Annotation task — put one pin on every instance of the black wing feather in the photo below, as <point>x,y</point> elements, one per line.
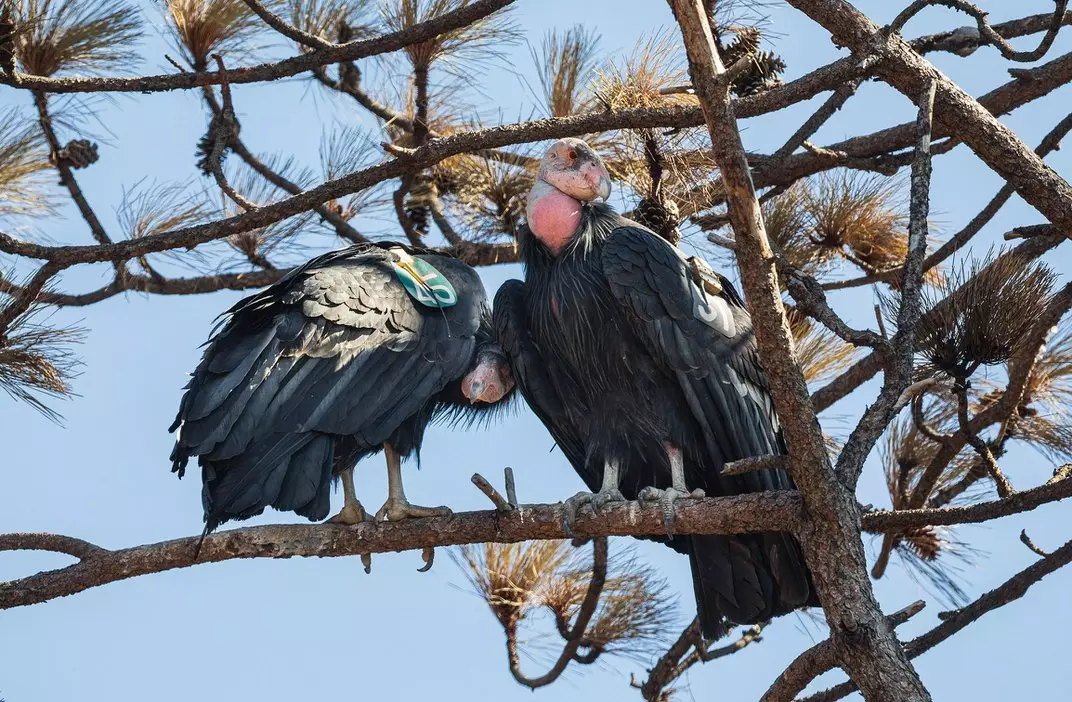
<point>706,343</point>
<point>335,352</point>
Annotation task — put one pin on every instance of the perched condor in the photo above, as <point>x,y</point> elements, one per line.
<point>353,352</point>
<point>648,384</point>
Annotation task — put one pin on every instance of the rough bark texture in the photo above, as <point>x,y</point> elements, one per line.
<point>865,642</point>
<point>729,515</point>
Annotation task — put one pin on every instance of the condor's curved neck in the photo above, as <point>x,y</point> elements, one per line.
<point>553,216</point>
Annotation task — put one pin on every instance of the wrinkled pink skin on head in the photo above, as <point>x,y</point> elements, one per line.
<point>553,217</point>
<point>493,379</point>
<point>562,185</point>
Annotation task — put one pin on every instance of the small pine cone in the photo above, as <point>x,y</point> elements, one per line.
<point>660,217</point>
<point>7,39</point>
<point>420,218</point>
<point>79,153</point>
<point>924,542</point>
<point>205,145</point>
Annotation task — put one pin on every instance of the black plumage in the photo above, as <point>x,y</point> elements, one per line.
<point>335,361</point>
<point>620,353</point>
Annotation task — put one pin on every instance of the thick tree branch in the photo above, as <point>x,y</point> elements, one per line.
<point>1011,590</point>
<point>746,513</point>
<point>866,644</point>
<point>820,658</point>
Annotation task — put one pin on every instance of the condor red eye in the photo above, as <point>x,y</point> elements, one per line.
<point>571,154</point>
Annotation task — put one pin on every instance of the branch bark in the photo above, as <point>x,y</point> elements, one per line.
<point>729,515</point>
<point>1011,590</point>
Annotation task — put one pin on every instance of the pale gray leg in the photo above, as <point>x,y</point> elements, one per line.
<point>608,492</point>
<point>397,506</point>
<point>352,512</point>
<point>677,491</point>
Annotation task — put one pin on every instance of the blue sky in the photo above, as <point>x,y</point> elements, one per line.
<point>319,628</point>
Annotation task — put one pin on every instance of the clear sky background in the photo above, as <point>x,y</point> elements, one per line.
<point>314,629</point>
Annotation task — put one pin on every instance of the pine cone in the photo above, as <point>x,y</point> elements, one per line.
<point>661,218</point>
<point>766,69</point>
<point>207,143</point>
<point>418,203</point>
<point>79,153</point>
<point>924,542</point>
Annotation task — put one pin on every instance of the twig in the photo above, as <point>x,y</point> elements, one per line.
<point>986,31</point>
<point>575,635</point>
<point>56,543</point>
<point>1029,231</point>
<point>747,465</point>
<point>224,131</point>
<point>811,300</point>
<point>1004,487</point>
<point>881,322</point>
<point>511,488</point>
<point>485,487</point>
<point>827,110</point>
<point>276,22</point>
<point>920,422</point>
<point>25,296</point>
<point>1031,544</point>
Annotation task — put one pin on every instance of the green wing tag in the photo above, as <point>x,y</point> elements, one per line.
<point>422,281</point>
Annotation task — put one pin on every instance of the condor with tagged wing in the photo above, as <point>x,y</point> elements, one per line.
<point>335,362</point>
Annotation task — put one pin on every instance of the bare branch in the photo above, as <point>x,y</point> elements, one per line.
<point>731,515</point>
<point>1011,590</point>
<point>986,31</point>
<point>575,635</point>
<point>820,658</point>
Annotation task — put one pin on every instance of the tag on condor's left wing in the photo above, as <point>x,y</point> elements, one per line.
<point>422,281</point>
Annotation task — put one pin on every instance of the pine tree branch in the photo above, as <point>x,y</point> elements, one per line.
<point>352,51</point>
<point>1051,142</point>
<point>989,35</point>
<point>1011,590</point>
<point>831,542</point>
<point>820,658</point>
<point>745,513</point>
<point>574,635</point>
<point>898,375</point>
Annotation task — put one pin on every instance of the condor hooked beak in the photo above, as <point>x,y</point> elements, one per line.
<point>596,177</point>
<point>476,389</point>
<point>603,189</point>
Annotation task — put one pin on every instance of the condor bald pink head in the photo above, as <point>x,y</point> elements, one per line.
<point>571,174</point>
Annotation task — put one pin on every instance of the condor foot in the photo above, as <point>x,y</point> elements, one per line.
<point>396,509</point>
<point>666,499</point>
